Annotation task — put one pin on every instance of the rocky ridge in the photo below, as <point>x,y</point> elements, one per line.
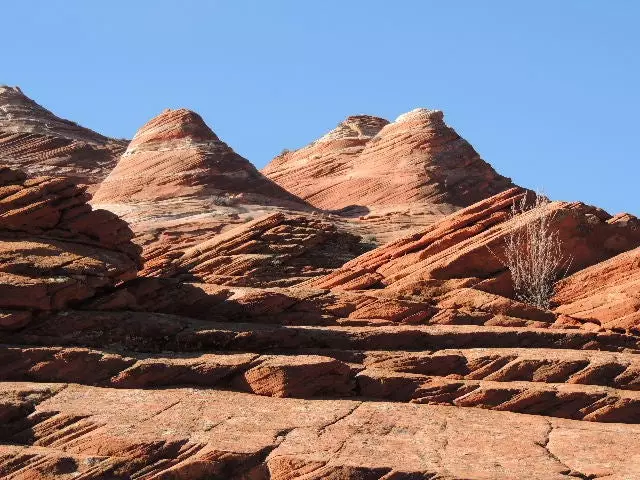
<point>274,348</point>
<point>202,211</point>
<point>40,143</point>
<point>403,174</point>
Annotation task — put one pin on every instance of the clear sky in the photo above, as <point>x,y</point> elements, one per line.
<point>546,90</point>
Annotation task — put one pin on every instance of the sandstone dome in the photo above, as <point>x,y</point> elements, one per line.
<point>417,160</point>
<point>176,154</point>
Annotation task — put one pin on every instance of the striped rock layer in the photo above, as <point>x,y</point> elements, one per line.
<point>177,155</point>
<point>273,348</point>
<point>40,143</point>
<point>372,164</point>
<point>410,361</point>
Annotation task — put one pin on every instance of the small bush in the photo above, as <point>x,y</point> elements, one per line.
<point>533,252</point>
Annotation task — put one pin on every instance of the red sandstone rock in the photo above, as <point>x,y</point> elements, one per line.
<point>177,155</point>
<point>54,248</point>
<point>608,293</point>
<point>366,161</point>
<point>276,250</point>
<point>435,364</point>
<point>464,249</point>
<point>40,143</point>
<point>186,434</point>
<point>183,191</point>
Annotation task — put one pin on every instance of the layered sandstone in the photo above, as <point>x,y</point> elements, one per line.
<point>607,293</point>
<point>55,249</point>
<point>177,155</point>
<point>40,143</point>
<point>367,162</point>
<point>274,250</point>
<point>201,211</point>
<point>260,348</point>
<point>70,431</point>
<point>466,249</point>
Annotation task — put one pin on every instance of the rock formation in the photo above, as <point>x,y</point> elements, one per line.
<point>35,140</point>
<point>55,249</point>
<point>416,167</point>
<point>177,155</point>
<point>260,348</point>
<point>465,249</point>
<point>202,211</point>
<point>606,294</point>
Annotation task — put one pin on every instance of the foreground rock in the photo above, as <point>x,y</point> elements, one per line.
<point>69,431</point>
<point>40,143</point>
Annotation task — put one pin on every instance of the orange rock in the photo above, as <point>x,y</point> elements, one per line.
<point>177,155</point>
<point>40,143</point>
<point>55,249</point>
<point>464,249</point>
<point>368,162</point>
<point>608,293</point>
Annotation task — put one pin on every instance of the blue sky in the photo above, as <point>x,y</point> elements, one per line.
<point>546,91</point>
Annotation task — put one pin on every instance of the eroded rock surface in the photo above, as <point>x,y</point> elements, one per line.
<point>55,249</point>
<point>260,348</point>
<point>177,155</point>
<point>607,293</point>
<point>40,143</point>
<point>66,431</point>
<point>398,175</point>
<point>201,211</point>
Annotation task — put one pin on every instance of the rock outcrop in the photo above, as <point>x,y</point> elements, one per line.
<point>201,211</point>
<point>73,431</point>
<point>262,349</point>
<point>55,249</point>
<point>40,143</point>
<point>367,162</point>
<point>275,250</point>
<point>606,294</point>
<point>465,249</point>
<point>177,155</point>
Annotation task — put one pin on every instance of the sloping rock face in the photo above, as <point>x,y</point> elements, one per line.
<point>607,294</point>
<point>177,155</point>
<point>40,143</point>
<point>90,432</point>
<point>55,249</point>
<point>275,250</point>
<point>201,211</point>
<point>263,350</point>
<point>466,248</point>
<point>416,161</point>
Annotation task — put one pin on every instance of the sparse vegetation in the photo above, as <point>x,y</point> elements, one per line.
<point>370,239</point>
<point>224,201</point>
<point>533,252</point>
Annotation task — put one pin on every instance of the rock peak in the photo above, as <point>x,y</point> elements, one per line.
<point>4,89</point>
<point>171,126</point>
<point>356,126</point>
<point>421,115</point>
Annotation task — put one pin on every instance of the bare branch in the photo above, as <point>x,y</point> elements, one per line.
<point>533,252</point>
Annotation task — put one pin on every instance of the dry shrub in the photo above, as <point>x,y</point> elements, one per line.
<point>533,252</point>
